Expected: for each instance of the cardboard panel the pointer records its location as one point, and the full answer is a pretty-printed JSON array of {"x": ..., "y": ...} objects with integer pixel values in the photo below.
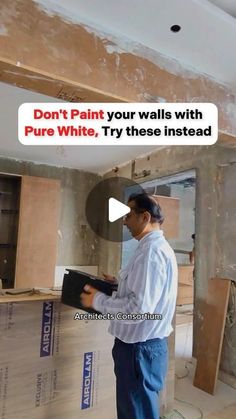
[{"x": 53, "y": 366}]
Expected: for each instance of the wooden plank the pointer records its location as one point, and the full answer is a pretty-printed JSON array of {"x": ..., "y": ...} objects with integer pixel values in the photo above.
[
  {"x": 27, "y": 298},
  {"x": 185, "y": 274},
  {"x": 37, "y": 235},
  {"x": 52, "y": 85},
  {"x": 212, "y": 333},
  {"x": 185, "y": 294},
  {"x": 183, "y": 252},
  {"x": 170, "y": 207}
]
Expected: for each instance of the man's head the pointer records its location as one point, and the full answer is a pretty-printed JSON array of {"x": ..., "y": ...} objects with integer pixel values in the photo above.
[{"x": 145, "y": 215}]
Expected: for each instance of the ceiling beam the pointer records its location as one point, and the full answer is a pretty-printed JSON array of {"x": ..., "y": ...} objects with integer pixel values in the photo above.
[{"x": 51, "y": 54}]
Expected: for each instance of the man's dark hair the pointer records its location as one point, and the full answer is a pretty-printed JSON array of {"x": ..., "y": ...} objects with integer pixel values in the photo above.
[{"x": 144, "y": 202}]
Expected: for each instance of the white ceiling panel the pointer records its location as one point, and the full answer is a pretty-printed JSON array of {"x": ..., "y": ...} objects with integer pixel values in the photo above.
[{"x": 98, "y": 159}]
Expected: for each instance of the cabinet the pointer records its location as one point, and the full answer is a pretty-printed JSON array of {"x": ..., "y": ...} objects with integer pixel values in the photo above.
[
  {"x": 9, "y": 215},
  {"x": 29, "y": 212},
  {"x": 186, "y": 285}
]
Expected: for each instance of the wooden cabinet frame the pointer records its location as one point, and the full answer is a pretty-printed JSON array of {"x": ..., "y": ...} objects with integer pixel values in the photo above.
[{"x": 36, "y": 247}]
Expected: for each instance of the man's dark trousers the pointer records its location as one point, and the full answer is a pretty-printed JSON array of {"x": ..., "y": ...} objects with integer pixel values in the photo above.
[{"x": 140, "y": 370}]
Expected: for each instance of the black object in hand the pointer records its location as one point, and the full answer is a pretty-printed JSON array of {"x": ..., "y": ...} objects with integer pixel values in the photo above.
[{"x": 73, "y": 286}]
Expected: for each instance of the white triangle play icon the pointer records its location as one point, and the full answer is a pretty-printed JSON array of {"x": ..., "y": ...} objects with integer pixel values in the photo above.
[{"x": 116, "y": 209}]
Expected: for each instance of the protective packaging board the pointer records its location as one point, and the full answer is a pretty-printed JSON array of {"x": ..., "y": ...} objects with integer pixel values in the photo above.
[{"x": 52, "y": 366}]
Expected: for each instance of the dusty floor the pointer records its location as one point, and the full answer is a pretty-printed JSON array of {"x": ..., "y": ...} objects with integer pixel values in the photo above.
[{"x": 192, "y": 403}]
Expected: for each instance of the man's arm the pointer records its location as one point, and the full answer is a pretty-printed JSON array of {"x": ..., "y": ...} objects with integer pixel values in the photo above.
[{"x": 144, "y": 288}]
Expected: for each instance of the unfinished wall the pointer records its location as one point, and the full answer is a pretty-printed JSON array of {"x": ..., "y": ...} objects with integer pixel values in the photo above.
[
  {"x": 228, "y": 358},
  {"x": 84, "y": 63},
  {"x": 77, "y": 244},
  {"x": 215, "y": 245},
  {"x": 226, "y": 257}
]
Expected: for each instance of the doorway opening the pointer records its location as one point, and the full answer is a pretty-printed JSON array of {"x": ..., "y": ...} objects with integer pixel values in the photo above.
[{"x": 178, "y": 195}]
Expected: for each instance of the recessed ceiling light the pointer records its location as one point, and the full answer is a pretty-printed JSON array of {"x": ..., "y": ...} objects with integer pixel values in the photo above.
[{"x": 175, "y": 28}]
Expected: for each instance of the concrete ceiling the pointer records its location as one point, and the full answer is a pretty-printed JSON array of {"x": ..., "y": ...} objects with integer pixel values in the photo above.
[{"x": 205, "y": 43}]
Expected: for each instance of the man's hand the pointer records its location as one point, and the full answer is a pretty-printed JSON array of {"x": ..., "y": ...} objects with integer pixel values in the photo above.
[
  {"x": 87, "y": 298},
  {"x": 110, "y": 278}
]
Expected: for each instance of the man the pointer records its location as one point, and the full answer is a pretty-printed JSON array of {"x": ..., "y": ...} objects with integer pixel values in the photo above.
[
  {"x": 192, "y": 253},
  {"x": 147, "y": 285}
]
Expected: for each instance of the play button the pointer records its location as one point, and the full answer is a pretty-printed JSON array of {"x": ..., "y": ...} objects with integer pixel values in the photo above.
[
  {"x": 106, "y": 206},
  {"x": 116, "y": 210}
]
